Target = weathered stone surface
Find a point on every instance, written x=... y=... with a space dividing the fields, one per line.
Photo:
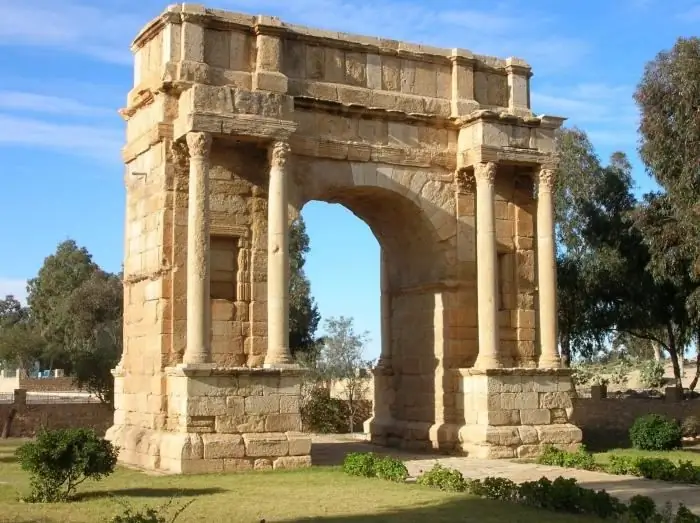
x=292 y=462
x=435 y=149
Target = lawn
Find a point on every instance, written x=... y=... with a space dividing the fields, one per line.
x=692 y=455
x=321 y=494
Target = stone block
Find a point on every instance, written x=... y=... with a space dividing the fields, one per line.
x=289 y=404
x=535 y=416
x=555 y=400
x=519 y=400
x=528 y=435
x=223 y=446
x=529 y=451
x=237 y=465
x=299 y=444
x=560 y=434
x=206 y=406
x=262 y=405
x=266 y=444
x=499 y=417
x=201 y=466
x=262 y=464
x=292 y=462
x=282 y=422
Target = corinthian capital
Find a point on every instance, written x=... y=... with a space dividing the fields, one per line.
x=485 y=172
x=279 y=154
x=546 y=179
x=199 y=144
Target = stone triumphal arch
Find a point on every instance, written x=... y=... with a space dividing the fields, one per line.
x=234 y=123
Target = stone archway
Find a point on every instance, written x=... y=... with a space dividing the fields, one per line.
x=236 y=121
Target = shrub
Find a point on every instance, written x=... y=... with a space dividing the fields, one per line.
x=581 y=459
x=148 y=514
x=618 y=376
x=624 y=465
x=323 y=414
x=494 y=488
x=655 y=432
x=581 y=375
x=360 y=464
x=391 y=469
x=690 y=426
x=60 y=460
x=641 y=509
x=651 y=374
x=446 y=479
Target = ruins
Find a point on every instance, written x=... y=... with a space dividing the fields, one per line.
x=234 y=123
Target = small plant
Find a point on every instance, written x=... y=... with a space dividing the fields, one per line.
x=581 y=459
x=581 y=375
x=641 y=509
x=690 y=426
x=622 y=465
x=391 y=469
x=618 y=376
x=60 y=460
x=655 y=432
x=494 y=488
x=148 y=514
x=651 y=374
x=362 y=464
x=446 y=479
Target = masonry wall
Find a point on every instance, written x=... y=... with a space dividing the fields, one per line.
x=31 y=418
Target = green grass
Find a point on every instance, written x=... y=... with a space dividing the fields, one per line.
x=322 y=494
x=673 y=455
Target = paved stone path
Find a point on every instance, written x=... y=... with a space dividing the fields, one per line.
x=330 y=450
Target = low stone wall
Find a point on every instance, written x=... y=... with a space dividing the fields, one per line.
x=30 y=418
x=64 y=384
x=606 y=422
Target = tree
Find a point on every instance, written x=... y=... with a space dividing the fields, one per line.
x=340 y=358
x=20 y=340
x=303 y=312
x=79 y=309
x=49 y=293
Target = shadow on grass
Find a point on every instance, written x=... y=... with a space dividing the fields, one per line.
x=147 y=492
x=333 y=454
x=455 y=510
x=7 y=459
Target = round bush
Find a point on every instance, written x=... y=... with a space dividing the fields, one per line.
x=655 y=432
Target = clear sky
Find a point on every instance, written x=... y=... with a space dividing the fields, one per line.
x=65 y=69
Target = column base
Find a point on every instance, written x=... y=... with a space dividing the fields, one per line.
x=513 y=413
x=217 y=420
x=485 y=362
x=550 y=363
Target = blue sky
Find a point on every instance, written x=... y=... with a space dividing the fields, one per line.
x=66 y=69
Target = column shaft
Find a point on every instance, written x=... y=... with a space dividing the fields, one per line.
x=547 y=271
x=278 y=260
x=198 y=348
x=487 y=284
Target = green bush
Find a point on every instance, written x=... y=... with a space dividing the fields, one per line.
x=446 y=479
x=494 y=488
x=641 y=509
x=581 y=459
x=655 y=432
x=360 y=464
x=322 y=414
x=690 y=426
x=651 y=374
x=391 y=469
x=60 y=460
x=622 y=465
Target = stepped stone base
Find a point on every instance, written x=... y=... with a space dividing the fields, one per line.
x=513 y=413
x=219 y=420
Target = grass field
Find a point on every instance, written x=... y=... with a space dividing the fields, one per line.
x=692 y=455
x=322 y=494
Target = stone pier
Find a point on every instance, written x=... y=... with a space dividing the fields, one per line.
x=234 y=123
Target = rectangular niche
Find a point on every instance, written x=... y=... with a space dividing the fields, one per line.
x=224 y=266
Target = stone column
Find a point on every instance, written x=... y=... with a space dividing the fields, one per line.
x=278 y=353
x=198 y=348
x=547 y=271
x=486 y=267
x=385 y=355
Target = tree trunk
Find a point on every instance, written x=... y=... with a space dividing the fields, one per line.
x=673 y=352
x=566 y=351
x=694 y=383
x=657 y=351
x=7 y=427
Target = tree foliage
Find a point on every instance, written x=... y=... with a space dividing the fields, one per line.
x=303 y=311
x=20 y=340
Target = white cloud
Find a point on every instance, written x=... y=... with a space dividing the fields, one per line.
x=607 y=113
x=70 y=25
x=15 y=287
x=102 y=143
x=49 y=104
